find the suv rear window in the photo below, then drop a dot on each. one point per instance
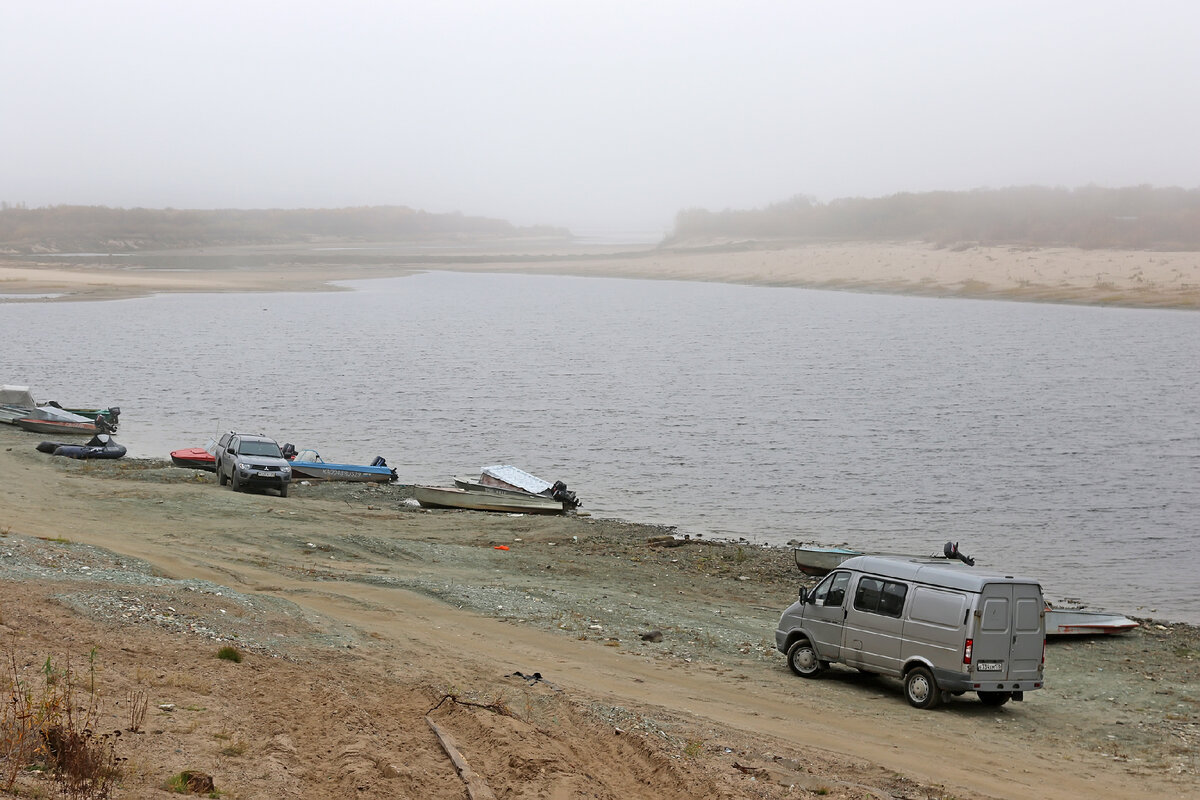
(880, 597)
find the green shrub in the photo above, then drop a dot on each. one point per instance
(230, 654)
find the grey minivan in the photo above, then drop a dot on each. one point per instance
(942, 627)
(251, 460)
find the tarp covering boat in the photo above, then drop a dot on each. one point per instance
(509, 477)
(506, 476)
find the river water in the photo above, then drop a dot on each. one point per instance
(1056, 441)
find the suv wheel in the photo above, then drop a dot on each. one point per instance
(283, 490)
(221, 479)
(234, 483)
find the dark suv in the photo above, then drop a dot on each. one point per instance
(251, 460)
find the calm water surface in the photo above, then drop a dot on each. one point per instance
(1056, 441)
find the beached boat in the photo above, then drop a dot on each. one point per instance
(511, 502)
(506, 478)
(111, 415)
(309, 465)
(1077, 622)
(17, 402)
(813, 560)
(194, 458)
(100, 446)
(48, 419)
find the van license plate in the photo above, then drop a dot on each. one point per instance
(990, 666)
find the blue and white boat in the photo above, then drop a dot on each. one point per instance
(308, 465)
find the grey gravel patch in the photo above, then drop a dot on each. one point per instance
(124, 590)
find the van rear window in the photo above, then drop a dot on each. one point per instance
(880, 597)
(937, 607)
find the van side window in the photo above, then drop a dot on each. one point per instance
(880, 597)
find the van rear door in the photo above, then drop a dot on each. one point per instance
(1009, 633)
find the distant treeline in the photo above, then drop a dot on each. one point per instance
(1091, 217)
(63, 229)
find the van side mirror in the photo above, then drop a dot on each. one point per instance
(803, 594)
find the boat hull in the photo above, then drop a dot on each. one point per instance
(821, 560)
(62, 428)
(341, 472)
(194, 458)
(512, 503)
(99, 446)
(1072, 622)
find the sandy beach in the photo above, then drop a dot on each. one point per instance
(1135, 278)
(361, 617)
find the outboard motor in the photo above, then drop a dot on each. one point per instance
(288, 450)
(562, 494)
(379, 461)
(951, 551)
(103, 425)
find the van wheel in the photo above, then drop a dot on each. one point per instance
(994, 698)
(221, 479)
(921, 689)
(803, 660)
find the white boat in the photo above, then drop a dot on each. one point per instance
(15, 402)
(512, 502)
(1077, 622)
(814, 560)
(502, 478)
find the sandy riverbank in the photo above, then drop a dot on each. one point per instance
(358, 613)
(1102, 277)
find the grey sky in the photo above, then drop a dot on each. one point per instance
(593, 115)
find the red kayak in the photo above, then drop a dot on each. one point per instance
(194, 458)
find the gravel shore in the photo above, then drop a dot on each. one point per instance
(353, 592)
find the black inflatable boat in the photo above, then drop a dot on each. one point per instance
(99, 446)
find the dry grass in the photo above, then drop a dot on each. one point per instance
(48, 727)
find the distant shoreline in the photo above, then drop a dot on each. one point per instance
(1127, 278)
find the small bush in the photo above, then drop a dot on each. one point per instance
(230, 654)
(192, 782)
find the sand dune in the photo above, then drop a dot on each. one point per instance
(1101, 277)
